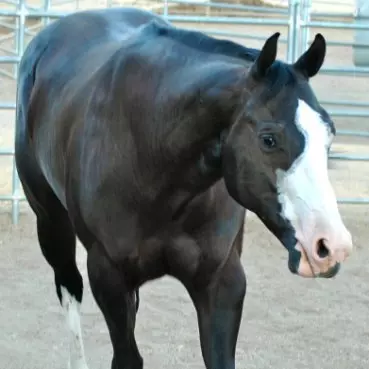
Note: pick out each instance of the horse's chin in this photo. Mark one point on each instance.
(332, 272)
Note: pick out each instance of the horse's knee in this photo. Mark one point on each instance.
(230, 283)
(224, 281)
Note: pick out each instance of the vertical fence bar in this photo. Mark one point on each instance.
(16, 42)
(21, 31)
(305, 31)
(47, 6)
(293, 28)
(15, 194)
(165, 9)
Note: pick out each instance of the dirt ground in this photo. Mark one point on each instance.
(288, 322)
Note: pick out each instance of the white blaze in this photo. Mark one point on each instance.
(76, 349)
(305, 192)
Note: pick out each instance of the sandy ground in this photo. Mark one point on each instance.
(288, 322)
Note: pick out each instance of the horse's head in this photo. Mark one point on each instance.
(275, 161)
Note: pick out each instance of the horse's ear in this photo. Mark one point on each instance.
(266, 57)
(312, 60)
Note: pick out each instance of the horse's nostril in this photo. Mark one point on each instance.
(322, 250)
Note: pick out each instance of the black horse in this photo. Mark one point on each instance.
(148, 142)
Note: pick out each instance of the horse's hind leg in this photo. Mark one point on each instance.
(55, 232)
(58, 244)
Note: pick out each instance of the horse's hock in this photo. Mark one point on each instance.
(341, 85)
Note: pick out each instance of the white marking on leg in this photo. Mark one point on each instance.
(76, 349)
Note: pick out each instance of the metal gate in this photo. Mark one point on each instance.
(20, 20)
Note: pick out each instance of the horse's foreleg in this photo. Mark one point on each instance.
(118, 305)
(219, 310)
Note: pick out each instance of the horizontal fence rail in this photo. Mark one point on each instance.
(296, 15)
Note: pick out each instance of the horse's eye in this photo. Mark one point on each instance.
(268, 141)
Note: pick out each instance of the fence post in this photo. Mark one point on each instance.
(165, 8)
(294, 7)
(305, 31)
(361, 38)
(21, 30)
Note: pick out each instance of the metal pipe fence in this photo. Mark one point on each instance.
(297, 17)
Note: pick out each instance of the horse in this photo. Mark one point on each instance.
(149, 143)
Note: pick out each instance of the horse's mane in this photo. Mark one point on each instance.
(204, 43)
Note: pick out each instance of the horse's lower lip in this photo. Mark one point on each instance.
(332, 272)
